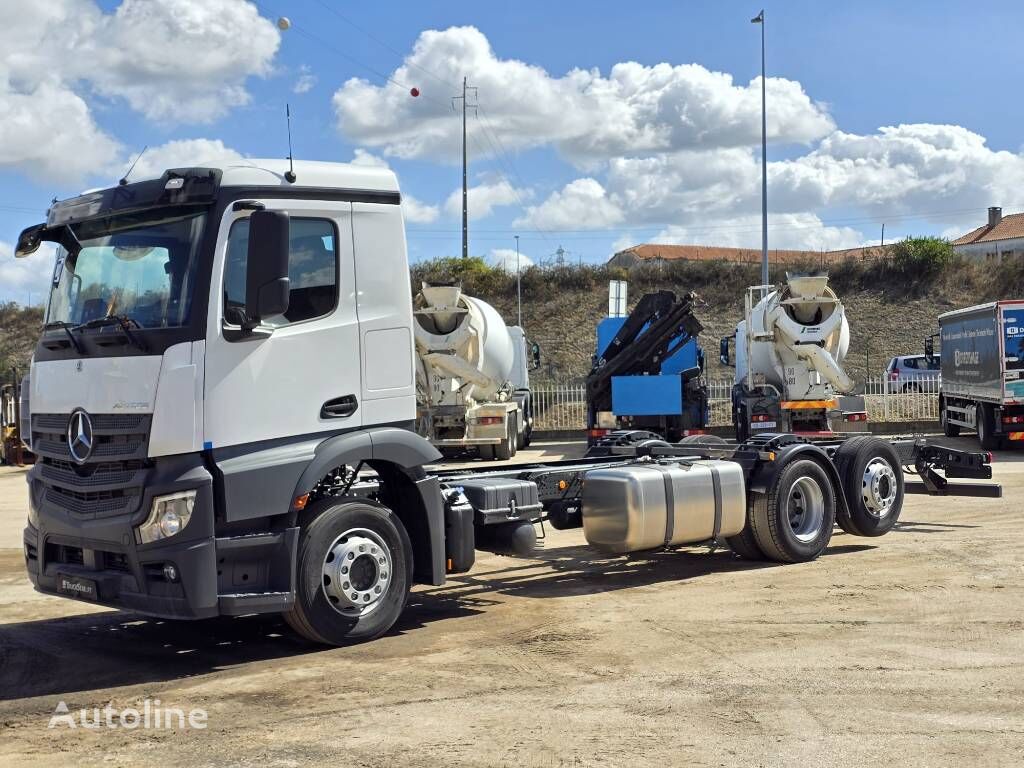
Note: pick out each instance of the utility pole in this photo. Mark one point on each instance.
(465, 189)
(759, 19)
(883, 234)
(519, 287)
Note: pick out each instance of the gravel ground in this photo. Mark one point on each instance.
(905, 650)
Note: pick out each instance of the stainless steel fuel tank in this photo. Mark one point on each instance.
(647, 506)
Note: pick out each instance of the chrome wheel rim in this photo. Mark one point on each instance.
(356, 572)
(878, 487)
(805, 508)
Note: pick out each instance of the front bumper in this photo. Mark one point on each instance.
(226, 575)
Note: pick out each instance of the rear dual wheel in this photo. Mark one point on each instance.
(792, 522)
(506, 449)
(871, 475)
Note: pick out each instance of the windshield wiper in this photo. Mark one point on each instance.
(122, 321)
(67, 328)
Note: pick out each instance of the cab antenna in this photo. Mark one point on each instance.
(290, 174)
(124, 179)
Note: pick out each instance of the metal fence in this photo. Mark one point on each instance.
(563, 406)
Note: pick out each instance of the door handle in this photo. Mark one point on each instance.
(339, 407)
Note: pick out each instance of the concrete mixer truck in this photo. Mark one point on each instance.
(789, 347)
(472, 380)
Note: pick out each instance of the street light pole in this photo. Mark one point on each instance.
(519, 287)
(759, 19)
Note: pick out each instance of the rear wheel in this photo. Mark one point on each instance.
(744, 544)
(872, 485)
(506, 449)
(793, 522)
(354, 570)
(986, 427)
(486, 452)
(948, 429)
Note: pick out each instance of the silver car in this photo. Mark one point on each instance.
(913, 373)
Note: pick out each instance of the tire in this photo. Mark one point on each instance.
(871, 477)
(486, 452)
(506, 449)
(527, 436)
(740, 423)
(332, 538)
(987, 427)
(744, 544)
(949, 430)
(910, 388)
(793, 522)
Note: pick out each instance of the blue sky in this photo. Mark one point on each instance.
(612, 155)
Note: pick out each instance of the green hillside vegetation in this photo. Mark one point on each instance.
(19, 330)
(891, 305)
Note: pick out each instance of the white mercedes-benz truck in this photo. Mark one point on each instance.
(223, 402)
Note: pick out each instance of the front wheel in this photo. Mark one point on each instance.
(793, 521)
(354, 572)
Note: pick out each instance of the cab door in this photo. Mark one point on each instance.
(303, 380)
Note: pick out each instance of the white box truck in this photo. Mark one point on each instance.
(983, 372)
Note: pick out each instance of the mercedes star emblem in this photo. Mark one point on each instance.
(80, 436)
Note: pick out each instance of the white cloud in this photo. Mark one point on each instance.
(182, 61)
(176, 61)
(305, 82)
(485, 197)
(182, 153)
(580, 204)
(26, 279)
(48, 133)
(797, 231)
(363, 157)
(418, 212)
(505, 258)
(635, 109)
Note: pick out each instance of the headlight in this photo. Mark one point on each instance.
(168, 516)
(33, 513)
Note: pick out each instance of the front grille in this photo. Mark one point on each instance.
(91, 504)
(64, 473)
(111, 481)
(115, 561)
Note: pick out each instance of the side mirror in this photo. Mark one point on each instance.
(266, 275)
(723, 351)
(929, 348)
(28, 241)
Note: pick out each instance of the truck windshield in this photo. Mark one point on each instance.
(140, 266)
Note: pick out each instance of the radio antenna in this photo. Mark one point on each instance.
(124, 179)
(290, 175)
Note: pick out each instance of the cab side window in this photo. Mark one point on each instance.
(312, 270)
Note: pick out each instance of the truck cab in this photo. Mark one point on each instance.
(220, 344)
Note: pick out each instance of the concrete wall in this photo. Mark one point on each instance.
(995, 250)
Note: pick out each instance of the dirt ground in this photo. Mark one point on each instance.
(905, 650)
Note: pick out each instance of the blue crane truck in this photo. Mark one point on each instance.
(648, 371)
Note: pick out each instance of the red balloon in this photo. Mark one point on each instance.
(415, 92)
